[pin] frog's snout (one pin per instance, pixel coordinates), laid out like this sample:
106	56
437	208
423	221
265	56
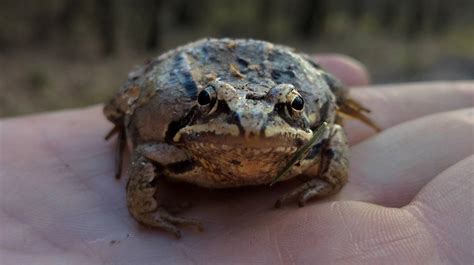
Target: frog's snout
252	122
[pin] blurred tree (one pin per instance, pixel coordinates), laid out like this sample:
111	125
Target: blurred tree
187	12
415	18
68	14
105	14
153	40
141	19
388	13
357	9
43	23
265	12
442	16
312	18
91	25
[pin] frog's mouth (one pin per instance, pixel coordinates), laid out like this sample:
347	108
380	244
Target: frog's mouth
226	150
283	137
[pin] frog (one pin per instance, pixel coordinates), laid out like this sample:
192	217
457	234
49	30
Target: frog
225	113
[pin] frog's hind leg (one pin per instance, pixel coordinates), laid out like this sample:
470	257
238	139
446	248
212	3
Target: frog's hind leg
142	202
329	172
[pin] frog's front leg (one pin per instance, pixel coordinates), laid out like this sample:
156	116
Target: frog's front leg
329	173
142	188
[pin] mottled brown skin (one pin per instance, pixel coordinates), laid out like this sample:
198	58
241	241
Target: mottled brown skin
225	113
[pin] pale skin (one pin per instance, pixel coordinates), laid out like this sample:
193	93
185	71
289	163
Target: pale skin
408	199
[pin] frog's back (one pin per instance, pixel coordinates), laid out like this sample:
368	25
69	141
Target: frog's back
249	61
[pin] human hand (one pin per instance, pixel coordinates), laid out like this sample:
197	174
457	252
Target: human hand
408	200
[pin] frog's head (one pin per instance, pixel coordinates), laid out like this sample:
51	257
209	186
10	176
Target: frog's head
245	132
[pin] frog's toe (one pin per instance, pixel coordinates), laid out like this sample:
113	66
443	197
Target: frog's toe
310	189
179	220
167	226
164	220
289	196
317	191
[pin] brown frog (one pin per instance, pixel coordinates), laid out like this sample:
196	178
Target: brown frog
225	113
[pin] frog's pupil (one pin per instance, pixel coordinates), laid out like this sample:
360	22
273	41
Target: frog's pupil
204	98
297	103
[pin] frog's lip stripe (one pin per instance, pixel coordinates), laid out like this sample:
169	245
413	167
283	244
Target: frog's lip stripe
228	134
222	129
242	149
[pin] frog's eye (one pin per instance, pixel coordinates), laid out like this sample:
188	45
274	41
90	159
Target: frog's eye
207	99
207	96
297	103
204	98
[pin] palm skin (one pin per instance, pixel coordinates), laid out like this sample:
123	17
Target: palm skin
408	200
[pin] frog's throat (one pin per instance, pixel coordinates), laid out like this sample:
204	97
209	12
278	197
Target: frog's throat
301	153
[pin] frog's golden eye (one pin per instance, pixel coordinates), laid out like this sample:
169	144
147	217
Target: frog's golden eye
294	104
207	96
297	103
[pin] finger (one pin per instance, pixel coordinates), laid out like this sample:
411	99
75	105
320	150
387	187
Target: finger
346	69
393	104
349	232
445	207
390	168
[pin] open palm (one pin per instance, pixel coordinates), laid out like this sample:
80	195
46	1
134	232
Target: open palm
409	198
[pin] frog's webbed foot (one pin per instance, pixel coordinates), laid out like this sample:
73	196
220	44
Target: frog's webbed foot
330	174
142	202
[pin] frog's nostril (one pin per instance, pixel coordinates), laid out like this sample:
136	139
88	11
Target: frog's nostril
252	123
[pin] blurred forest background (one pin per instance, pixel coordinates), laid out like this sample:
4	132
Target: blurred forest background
69	53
